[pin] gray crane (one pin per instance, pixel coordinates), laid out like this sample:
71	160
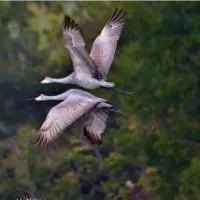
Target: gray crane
90	71
91	112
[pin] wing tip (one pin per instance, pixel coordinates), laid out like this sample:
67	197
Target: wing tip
118	15
40	141
69	23
66	21
93	140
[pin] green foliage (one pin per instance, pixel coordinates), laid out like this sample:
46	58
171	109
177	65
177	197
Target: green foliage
156	150
190	180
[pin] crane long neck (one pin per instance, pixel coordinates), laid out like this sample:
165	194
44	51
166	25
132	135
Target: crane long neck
59	97
68	79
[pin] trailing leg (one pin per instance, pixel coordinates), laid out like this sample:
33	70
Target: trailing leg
120	91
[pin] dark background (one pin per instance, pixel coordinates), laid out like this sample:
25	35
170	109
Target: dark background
153	155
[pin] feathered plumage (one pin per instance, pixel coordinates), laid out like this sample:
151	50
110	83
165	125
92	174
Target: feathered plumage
77	104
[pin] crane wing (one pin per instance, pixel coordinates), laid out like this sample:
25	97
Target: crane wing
95	125
73	41
60	117
104	46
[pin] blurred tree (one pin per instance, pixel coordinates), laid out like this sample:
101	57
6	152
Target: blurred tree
156	150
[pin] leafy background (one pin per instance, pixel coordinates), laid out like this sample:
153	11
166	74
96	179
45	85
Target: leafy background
153	155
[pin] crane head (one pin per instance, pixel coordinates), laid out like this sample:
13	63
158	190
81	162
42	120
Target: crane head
45	80
41	97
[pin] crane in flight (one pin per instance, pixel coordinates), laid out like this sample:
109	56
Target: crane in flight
89	111
90	71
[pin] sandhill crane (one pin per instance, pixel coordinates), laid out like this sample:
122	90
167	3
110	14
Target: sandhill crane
90	70
92	111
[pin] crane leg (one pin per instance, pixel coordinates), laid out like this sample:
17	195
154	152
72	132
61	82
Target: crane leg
120	91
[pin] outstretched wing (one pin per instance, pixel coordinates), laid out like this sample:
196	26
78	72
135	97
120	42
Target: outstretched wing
103	48
95	125
75	44
60	117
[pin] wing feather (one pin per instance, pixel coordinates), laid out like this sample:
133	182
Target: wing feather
75	44
60	117
104	47
95	125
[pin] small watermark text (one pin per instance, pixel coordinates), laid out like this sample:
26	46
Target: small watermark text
29	199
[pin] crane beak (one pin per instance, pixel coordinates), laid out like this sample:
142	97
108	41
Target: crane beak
37	83
40	82
33	98
30	99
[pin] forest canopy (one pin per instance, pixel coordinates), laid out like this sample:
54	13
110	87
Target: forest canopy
154	155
